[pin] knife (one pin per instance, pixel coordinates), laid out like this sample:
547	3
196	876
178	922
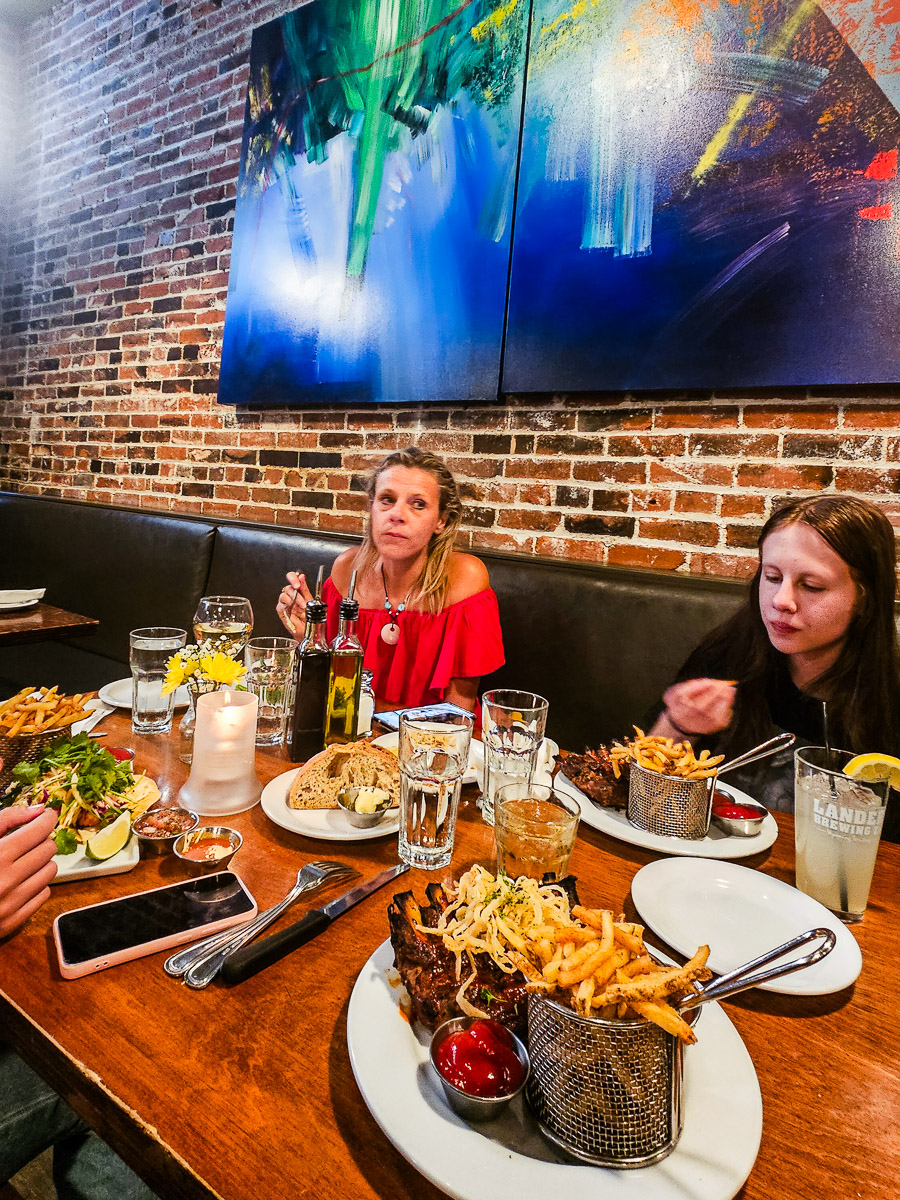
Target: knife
256	957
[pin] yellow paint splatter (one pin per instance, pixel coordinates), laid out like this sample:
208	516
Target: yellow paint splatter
775	48
577	10
493	21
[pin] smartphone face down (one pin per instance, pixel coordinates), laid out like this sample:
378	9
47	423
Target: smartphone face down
116	931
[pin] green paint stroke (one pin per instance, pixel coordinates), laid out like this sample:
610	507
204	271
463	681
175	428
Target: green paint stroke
378	70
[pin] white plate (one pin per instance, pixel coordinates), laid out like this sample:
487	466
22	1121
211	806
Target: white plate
328	824
78	866
740	914
118	694
12	599
716	844
508	1157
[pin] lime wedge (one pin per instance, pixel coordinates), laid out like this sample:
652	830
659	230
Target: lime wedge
110	839
874	767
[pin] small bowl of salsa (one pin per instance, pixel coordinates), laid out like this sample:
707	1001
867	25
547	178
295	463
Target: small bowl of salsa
159	828
481	1064
208	847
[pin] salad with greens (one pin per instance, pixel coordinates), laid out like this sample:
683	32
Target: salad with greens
86	785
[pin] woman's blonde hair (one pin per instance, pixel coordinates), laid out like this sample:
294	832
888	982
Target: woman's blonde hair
429	592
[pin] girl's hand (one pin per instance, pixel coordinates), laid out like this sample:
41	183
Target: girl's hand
700	706
26	866
291	606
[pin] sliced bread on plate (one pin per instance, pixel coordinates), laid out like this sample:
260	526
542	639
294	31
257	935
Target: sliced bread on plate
357	764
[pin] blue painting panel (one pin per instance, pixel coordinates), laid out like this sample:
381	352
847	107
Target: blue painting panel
371	242
707	198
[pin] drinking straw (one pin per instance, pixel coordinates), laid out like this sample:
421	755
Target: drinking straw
829	762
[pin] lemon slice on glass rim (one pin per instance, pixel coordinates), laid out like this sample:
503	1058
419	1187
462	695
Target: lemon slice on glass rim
109	840
874	767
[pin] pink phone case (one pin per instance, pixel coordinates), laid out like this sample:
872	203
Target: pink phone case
91	966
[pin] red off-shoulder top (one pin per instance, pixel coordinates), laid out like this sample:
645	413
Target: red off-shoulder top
462	641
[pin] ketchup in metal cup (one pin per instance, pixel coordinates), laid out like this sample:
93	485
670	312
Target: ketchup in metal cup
733	811
481	1060
120	754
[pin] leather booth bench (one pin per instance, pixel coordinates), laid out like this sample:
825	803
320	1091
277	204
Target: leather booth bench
601	643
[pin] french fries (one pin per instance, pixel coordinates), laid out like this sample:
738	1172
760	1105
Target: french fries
36	710
665	756
585	957
614	976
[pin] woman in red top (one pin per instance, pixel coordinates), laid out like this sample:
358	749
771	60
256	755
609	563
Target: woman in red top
428	618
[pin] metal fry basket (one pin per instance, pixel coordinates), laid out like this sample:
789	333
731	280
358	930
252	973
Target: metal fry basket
669	805
604	1092
26	747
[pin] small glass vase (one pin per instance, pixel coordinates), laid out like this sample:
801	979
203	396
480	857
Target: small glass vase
195	687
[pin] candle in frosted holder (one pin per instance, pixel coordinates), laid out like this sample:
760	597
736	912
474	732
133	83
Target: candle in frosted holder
223	771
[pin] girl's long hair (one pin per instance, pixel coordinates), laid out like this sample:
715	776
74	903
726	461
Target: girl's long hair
429	593
862	688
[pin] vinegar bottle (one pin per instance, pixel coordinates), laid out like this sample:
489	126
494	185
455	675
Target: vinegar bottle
305	730
345	677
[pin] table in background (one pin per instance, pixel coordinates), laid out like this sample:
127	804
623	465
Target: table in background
42	623
248	1092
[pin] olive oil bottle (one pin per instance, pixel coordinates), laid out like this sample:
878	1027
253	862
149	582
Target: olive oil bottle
345	676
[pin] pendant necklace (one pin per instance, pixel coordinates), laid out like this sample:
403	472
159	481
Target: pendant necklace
391	633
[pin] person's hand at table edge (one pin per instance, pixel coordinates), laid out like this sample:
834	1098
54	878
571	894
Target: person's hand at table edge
26	866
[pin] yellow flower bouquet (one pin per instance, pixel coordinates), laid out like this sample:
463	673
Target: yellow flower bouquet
201	665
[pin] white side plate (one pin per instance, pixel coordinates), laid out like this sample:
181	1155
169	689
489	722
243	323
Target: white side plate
508	1157
78	866
118	694
739	914
716	844
327	824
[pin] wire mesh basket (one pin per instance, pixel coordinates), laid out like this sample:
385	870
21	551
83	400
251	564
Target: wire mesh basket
669	805
604	1092
26	747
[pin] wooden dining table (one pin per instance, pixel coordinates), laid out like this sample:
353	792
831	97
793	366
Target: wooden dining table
248	1092
42	623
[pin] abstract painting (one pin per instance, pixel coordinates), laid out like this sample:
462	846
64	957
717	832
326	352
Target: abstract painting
708	196
371	244
443	200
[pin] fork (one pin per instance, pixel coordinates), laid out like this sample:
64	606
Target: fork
199	963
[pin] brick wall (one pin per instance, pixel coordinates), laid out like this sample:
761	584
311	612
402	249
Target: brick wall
113	300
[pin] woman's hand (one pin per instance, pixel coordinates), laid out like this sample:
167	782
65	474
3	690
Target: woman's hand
26	866
699	706
291	606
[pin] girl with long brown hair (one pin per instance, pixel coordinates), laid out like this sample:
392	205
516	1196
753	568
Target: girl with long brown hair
818	628
428	620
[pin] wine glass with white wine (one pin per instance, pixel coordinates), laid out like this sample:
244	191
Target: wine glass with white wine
224	623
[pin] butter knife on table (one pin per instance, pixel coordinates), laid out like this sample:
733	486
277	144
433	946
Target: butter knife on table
256	957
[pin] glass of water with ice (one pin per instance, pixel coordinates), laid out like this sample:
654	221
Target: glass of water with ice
149	651
837	827
512	726
433	756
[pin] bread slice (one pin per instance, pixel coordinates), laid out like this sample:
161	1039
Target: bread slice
357	764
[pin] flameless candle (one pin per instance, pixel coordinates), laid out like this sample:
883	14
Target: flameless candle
223	771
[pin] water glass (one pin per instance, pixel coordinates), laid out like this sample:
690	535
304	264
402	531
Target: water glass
837	827
433	756
512	727
535	828
270	665
149	652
